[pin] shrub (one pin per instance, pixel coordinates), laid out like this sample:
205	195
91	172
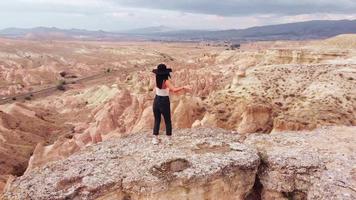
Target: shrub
61	84
61	87
73	76
63	74
235	46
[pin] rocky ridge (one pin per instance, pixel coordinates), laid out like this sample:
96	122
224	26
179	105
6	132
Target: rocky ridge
202	164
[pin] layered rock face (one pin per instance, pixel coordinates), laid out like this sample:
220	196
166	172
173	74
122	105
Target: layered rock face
287	97
307	165
200	164
21	129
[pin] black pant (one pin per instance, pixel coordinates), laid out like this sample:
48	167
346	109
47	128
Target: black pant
162	106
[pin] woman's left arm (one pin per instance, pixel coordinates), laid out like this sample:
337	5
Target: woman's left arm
174	89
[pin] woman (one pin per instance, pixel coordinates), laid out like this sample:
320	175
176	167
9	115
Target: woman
161	104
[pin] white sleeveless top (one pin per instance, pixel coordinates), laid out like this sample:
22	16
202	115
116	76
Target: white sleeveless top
162	92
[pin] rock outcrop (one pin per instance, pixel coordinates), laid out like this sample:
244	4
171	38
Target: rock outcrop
21	129
123	114
201	164
287	97
345	41
307	165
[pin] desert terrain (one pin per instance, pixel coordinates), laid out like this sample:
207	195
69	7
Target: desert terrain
270	120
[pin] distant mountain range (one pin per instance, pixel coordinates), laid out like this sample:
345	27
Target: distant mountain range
150	30
56	33
292	31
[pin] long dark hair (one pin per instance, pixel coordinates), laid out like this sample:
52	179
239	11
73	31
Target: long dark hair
160	79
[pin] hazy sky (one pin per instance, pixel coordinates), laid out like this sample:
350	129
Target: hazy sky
115	15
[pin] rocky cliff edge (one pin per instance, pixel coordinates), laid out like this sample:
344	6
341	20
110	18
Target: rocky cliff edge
202	164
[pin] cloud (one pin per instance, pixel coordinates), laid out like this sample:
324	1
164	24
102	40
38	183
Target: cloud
194	14
58	6
246	7
210	7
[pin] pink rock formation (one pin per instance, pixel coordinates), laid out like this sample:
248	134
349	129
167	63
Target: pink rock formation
21	129
287	97
124	114
264	87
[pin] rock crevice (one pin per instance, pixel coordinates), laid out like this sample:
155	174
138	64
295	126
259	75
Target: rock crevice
307	165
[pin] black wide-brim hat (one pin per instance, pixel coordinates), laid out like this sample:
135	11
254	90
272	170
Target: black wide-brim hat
162	70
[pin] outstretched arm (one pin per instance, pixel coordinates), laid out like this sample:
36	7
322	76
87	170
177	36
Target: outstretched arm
175	89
